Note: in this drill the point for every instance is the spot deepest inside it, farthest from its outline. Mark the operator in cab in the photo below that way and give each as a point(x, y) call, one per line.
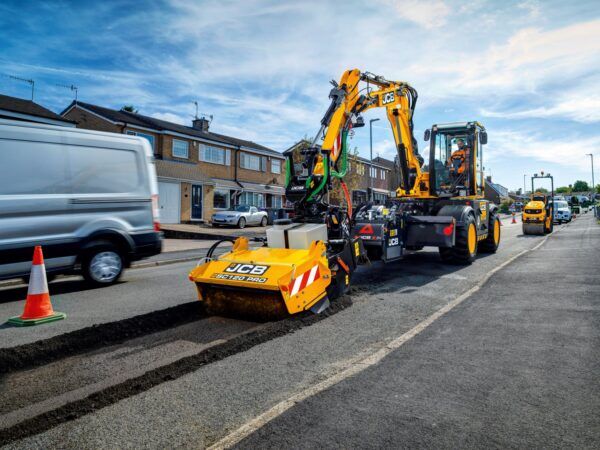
point(458, 159)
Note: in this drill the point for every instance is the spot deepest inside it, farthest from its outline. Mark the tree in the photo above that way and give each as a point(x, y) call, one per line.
point(563, 190)
point(598, 189)
point(542, 190)
point(581, 186)
point(129, 108)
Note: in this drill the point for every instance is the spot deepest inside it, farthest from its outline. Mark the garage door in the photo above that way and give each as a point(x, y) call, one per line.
point(169, 201)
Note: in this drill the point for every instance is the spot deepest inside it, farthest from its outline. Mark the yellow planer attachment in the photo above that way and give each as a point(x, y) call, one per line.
point(264, 283)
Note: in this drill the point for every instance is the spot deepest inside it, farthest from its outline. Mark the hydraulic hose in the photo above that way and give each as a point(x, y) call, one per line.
point(323, 179)
point(344, 153)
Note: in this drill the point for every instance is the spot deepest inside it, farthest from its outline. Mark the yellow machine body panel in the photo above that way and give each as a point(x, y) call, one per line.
point(265, 278)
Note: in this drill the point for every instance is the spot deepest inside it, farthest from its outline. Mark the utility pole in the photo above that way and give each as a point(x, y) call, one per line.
point(371, 166)
point(593, 181)
point(524, 183)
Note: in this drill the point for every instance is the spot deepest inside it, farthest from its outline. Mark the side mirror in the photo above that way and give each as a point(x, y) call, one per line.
point(427, 135)
point(483, 137)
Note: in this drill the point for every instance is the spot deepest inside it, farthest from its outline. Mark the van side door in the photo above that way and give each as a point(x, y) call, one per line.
point(34, 201)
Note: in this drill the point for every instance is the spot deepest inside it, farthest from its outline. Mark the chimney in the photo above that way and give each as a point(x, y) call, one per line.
point(489, 178)
point(201, 124)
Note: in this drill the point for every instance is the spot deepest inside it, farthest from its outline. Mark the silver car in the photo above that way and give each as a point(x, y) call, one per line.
point(240, 216)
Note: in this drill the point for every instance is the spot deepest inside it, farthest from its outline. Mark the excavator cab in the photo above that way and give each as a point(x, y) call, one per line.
point(455, 168)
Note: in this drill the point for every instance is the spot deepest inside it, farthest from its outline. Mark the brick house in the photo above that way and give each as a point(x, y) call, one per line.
point(14, 108)
point(198, 171)
point(364, 176)
point(376, 176)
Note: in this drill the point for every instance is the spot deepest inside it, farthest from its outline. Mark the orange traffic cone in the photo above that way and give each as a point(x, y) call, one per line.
point(513, 220)
point(38, 308)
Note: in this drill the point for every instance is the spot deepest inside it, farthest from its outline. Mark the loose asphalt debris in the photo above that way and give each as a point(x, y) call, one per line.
point(97, 336)
point(169, 372)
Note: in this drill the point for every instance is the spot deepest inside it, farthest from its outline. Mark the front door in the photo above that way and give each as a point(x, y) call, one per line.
point(196, 202)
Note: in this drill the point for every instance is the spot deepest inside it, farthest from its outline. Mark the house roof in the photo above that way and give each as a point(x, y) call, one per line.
point(28, 108)
point(141, 120)
point(501, 190)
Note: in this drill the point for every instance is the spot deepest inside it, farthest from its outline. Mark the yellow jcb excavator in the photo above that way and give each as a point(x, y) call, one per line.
point(311, 259)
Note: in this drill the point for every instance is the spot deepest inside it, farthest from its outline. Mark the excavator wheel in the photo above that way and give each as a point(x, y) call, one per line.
point(492, 241)
point(465, 247)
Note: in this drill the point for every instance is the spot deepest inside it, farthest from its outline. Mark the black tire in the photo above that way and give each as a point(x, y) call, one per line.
point(95, 275)
point(460, 253)
point(241, 223)
point(491, 243)
point(214, 225)
point(263, 222)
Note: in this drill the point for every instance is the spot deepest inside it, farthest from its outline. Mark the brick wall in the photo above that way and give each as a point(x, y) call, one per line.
point(89, 121)
point(255, 176)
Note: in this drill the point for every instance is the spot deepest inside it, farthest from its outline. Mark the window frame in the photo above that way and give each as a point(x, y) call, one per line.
point(227, 197)
point(226, 160)
point(187, 150)
point(145, 136)
point(262, 162)
point(278, 161)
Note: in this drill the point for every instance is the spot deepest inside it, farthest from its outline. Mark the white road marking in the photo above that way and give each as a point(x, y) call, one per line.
point(358, 366)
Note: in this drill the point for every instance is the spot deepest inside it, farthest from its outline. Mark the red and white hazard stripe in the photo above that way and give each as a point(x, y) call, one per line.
point(337, 146)
point(304, 280)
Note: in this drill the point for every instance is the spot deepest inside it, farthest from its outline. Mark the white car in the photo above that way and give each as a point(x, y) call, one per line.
point(562, 212)
point(240, 216)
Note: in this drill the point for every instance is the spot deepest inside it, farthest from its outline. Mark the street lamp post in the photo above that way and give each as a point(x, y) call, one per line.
point(593, 181)
point(371, 150)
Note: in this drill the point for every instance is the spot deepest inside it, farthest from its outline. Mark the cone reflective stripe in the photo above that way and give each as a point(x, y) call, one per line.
point(38, 308)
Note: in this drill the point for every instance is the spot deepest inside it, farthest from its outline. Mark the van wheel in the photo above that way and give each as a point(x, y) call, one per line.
point(102, 264)
point(263, 222)
point(241, 223)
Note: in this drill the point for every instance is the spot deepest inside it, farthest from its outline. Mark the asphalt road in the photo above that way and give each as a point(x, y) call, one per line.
point(200, 408)
point(515, 366)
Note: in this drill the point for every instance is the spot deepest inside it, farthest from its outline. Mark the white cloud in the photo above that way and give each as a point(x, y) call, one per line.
point(503, 145)
point(170, 117)
point(426, 13)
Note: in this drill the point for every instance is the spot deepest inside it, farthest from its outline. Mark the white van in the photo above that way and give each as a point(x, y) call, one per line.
point(89, 198)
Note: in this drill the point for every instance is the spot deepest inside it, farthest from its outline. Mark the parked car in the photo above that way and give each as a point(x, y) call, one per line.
point(240, 216)
point(562, 212)
point(89, 198)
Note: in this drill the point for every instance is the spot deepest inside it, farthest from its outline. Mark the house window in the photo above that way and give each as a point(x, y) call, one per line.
point(221, 199)
point(360, 168)
point(215, 155)
point(379, 198)
point(180, 148)
point(373, 172)
point(275, 166)
point(251, 199)
point(148, 137)
point(383, 174)
point(276, 201)
point(359, 197)
point(253, 162)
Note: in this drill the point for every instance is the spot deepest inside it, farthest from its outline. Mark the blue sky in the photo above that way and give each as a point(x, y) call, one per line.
point(528, 70)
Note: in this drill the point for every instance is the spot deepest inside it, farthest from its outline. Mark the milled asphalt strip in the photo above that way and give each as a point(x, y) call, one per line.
point(358, 366)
